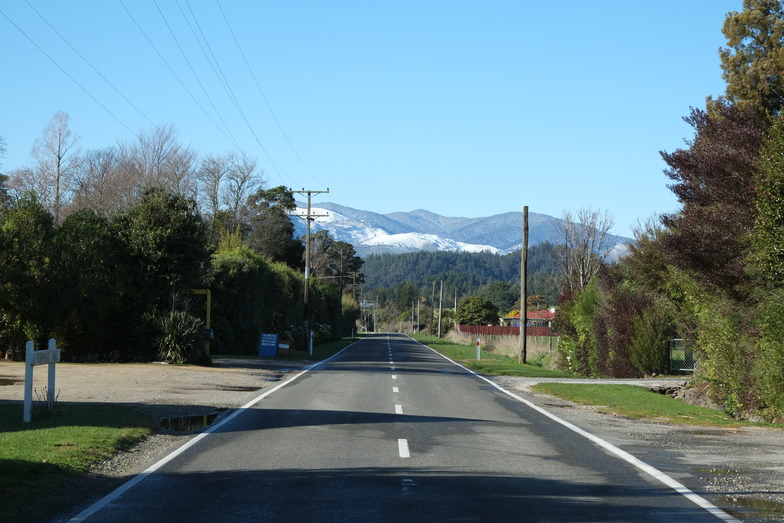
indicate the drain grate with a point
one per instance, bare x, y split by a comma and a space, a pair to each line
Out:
189, 423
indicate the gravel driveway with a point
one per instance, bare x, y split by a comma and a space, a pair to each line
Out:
739, 469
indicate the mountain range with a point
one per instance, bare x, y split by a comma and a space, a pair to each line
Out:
421, 230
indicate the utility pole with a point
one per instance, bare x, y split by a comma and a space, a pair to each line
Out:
419, 302
309, 217
432, 309
524, 289
440, 301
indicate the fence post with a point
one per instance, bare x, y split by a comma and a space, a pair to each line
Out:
50, 392
27, 415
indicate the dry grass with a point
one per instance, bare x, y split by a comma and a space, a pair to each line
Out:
540, 351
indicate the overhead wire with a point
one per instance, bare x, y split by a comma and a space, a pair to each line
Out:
110, 84
261, 92
212, 59
214, 63
66, 73
195, 75
176, 76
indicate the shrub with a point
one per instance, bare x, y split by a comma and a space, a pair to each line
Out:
575, 323
178, 339
648, 344
769, 369
614, 323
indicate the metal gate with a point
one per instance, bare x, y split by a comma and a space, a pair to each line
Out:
682, 355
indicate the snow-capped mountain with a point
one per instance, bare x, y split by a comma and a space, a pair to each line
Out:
422, 230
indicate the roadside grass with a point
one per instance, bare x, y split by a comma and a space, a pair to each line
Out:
39, 459
631, 401
638, 402
489, 362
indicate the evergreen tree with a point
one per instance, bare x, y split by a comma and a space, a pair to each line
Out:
753, 62
714, 181
474, 310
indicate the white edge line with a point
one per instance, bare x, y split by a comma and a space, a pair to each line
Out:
636, 462
128, 485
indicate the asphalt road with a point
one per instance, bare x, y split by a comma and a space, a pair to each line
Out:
391, 431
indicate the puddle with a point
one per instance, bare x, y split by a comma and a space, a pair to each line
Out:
761, 508
189, 423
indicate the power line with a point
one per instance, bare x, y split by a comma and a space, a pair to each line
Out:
149, 41
190, 66
258, 86
224, 81
89, 64
67, 74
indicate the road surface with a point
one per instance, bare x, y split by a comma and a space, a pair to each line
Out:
389, 430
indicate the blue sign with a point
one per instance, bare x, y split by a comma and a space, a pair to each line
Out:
268, 345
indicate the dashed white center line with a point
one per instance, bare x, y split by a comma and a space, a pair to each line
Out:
393, 368
402, 447
395, 390
398, 409
394, 376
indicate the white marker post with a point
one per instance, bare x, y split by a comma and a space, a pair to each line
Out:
38, 357
478, 341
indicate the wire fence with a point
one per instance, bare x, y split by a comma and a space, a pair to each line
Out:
683, 357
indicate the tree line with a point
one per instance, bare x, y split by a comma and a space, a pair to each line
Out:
712, 272
111, 252
398, 279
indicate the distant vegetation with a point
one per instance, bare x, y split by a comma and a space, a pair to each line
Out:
394, 278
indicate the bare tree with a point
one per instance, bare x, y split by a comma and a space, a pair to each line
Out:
159, 160
582, 246
2, 149
101, 183
57, 159
211, 176
179, 173
243, 180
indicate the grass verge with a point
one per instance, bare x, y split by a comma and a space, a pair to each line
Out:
638, 402
631, 401
38, 460
489, 362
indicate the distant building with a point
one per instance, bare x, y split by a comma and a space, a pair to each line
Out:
541, 318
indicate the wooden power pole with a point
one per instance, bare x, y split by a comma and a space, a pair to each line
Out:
524, 289
309, 217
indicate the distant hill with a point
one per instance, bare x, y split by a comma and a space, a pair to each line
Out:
421, 230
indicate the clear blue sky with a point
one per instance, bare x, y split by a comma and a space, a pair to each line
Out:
464, 108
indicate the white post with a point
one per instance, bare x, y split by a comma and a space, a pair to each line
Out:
50, 392
32, 358
28, 388
478, 341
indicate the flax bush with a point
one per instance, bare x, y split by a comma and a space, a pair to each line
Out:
178, 338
